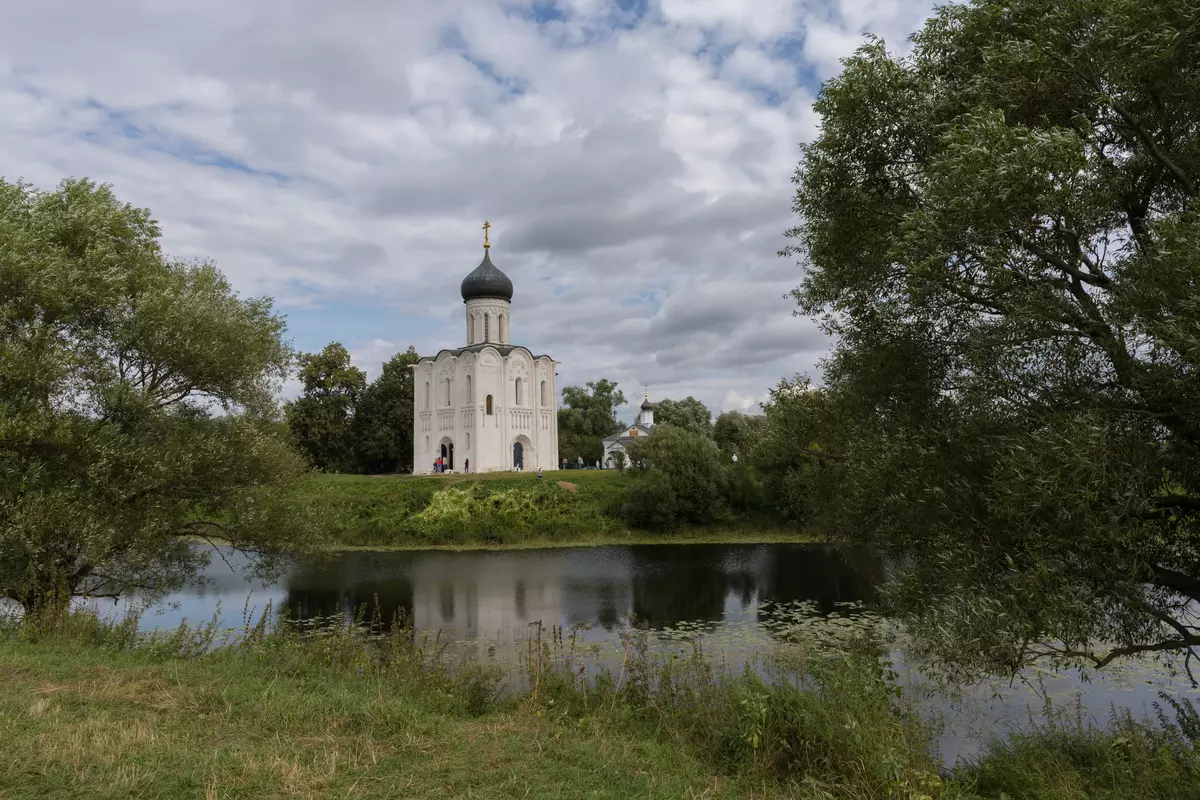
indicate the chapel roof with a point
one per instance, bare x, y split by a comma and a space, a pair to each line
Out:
622, 437
646, 404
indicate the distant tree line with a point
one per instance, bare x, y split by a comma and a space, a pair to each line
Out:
343, 424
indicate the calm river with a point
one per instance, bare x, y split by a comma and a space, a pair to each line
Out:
736, 600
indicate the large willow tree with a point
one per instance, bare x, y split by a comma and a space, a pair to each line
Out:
137, 404
1002, 231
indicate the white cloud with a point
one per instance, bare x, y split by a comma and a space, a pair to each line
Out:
740, 402
634, 161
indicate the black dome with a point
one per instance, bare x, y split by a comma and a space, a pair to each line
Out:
486, 281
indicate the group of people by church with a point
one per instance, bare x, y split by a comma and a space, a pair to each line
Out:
440, 465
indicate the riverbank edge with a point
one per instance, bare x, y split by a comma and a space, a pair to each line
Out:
601, 540
629, 538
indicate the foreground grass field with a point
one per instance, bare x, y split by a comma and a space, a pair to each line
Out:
86, 723
91, 710
498, 509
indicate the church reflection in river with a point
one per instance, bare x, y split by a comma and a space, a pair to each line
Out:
490, 594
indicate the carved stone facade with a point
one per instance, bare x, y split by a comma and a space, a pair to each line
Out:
489, 406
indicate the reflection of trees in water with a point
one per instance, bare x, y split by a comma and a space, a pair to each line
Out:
331, 596
673, 583
820, 574
596, 601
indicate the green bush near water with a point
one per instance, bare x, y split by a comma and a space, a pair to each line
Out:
93, 709
499, 508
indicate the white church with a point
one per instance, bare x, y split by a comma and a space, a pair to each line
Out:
491, 405
642, 426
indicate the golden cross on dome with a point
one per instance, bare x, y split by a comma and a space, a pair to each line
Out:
486, 225
647, 395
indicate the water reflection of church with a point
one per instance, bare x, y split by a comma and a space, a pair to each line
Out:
488, 594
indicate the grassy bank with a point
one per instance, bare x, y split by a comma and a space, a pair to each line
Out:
499, 509
93, 710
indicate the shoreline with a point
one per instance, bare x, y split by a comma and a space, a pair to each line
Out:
602, 540
778, 537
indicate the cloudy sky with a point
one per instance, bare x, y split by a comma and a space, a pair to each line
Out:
633, 157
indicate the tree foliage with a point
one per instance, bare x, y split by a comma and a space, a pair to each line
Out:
784, 449
137, 403
688, 413
736, 432
689, 465
590, 414
322, 418
383, 418
1002, 231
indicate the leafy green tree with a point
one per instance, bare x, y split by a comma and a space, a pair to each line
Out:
590, 414
322, 418
383, 418
137, 405
690, 464
735, 432
784, 447
688, 413
1002, 230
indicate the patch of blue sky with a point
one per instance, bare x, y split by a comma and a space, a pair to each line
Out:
546, 11
714, 51
769, 95
350, 323
450, 38
648, 300
564, 31
632, 13
120, 125
623, 14
791, 50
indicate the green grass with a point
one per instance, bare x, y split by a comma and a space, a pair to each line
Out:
498, 510
82, 722
93, 710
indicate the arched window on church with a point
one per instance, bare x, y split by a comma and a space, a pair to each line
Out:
545, 399
517, 385
488, 403
470, 391
478, 330
426, 406
447, 391
486, 333
503, 328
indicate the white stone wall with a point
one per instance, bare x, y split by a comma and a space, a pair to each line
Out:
488, 320
451, 407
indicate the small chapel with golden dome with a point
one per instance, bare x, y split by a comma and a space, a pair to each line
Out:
490, 405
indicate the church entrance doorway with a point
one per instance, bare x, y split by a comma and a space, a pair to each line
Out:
448, 454
518, 456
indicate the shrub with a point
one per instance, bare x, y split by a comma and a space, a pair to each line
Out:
650, 501
691, 465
